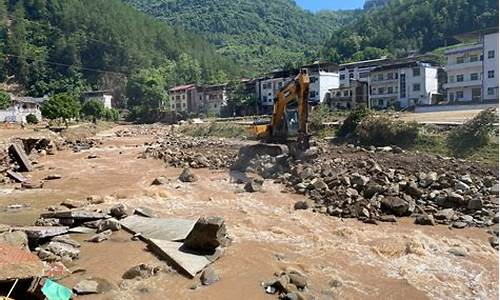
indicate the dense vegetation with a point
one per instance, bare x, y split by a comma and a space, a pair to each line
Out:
259, 34
396, 27
56, 46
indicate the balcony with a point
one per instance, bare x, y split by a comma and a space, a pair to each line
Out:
391, 95
461, 84
375, 81
466, 65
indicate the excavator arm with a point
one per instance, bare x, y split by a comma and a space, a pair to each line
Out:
290, 113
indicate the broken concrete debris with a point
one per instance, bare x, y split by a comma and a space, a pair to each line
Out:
119, 211
86, 287
108, 224
159, 228
18, 154
16, 176
100, 237
143, 271
209, 276
289, 284
207, 234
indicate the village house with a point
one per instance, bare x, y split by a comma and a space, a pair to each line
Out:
22, 107
323, 76
472, 69
184, 97
215, 99
404, 83
269, 86
348, 96
105, 96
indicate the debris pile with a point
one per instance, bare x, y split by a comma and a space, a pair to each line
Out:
380, 184
196, 152
290, 284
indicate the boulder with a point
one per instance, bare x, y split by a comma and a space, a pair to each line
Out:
207, 234
425, 220
108, 224
429, 179
444, 214
187, 176
475, 204
461, 186
396, 205
359, 180
301, 205
372, 188
118, 211
100, 237
159, 181
388, 218
62, 249
413, 190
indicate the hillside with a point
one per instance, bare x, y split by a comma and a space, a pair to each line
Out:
71, 45
260, 34
395, 27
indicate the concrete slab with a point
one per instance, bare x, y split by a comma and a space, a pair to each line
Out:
175, 253
21, 158
159, 228
40, 232
16, 176
18, 263
74, 214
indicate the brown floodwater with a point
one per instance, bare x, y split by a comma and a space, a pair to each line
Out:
385, 261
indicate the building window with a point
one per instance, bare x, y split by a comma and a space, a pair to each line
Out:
491, 54
264, 99
476, 94
491, 91
390, 76
314, 79
460, 78
173, 106
451, 79
380, 77
474, 76
416, 72
381, 90
183, 96
473, 58
342, 76
346, 93
452, 97
460, 94
491, 74
416, 87
402, 85
380, 102
363, 75
460, 60
351, 75
390, 90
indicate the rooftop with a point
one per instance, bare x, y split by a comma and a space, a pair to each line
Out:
363, 63
182, 87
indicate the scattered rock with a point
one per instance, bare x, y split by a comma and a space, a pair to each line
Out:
141, 271
118, 211
389, 218
458, 251
209, 276
86, 287
73, 203
301, 205
108, 224
53, 177
475, 204
16, 239
425, 220
100, 236
160, 181
396, 205
145, 212
254, 185
187, 176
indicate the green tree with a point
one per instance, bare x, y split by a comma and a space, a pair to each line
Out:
5, 101
188, 69
240, 100
61, 106
93, 108
3, 38
17, 43
147, 89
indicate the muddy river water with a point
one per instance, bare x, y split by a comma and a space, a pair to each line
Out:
343, 258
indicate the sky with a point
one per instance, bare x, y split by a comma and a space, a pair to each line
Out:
315, 5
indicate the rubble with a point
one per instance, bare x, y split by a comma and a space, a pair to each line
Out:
18, 154
207, 235
209, 276
142, 271
86, 287
118, 211
100, 237
187, 176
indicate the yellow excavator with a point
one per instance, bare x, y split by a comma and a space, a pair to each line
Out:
289, 122
288, 132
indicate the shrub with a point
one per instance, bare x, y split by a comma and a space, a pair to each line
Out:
31, 119
111, 114
382, 131
318, 116
5, 101
93, 108
474, 134
352, 121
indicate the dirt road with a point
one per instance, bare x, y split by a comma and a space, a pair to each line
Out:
343, 259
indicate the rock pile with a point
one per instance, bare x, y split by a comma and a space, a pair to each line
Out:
290, 285
196, 152
379, 185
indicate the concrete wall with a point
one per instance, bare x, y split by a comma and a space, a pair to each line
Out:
18, 115
438, 108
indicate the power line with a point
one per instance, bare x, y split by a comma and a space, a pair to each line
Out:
65, 65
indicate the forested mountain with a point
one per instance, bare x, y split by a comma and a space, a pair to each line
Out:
259, 34
70, 45
400, 26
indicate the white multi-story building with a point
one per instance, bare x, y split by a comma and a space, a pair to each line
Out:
269, 86
359, 70
472, 69
403, 84
323, 76
490, 66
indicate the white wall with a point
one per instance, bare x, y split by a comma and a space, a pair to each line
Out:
106, 99
17, 115
326, 82
490, 44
